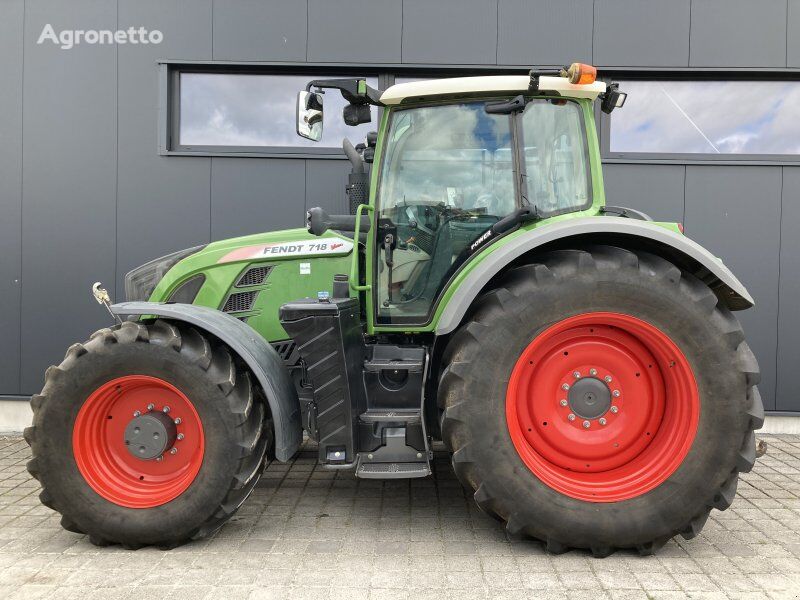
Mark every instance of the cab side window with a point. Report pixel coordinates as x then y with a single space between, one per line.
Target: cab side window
555 156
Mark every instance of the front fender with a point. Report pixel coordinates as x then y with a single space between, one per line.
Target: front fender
620 231
260 357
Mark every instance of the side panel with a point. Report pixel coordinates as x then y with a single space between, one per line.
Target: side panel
650 33
736 211
544 33
354 31
260 30
787 397
163 202
466 287
10 192
69 181
654 189
450 31
262 359
741 33
251 195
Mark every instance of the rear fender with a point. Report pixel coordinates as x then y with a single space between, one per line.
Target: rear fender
578 232
262 359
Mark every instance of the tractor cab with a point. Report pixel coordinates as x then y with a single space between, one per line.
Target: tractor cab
460 162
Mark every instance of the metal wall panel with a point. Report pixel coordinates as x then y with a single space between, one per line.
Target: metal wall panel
651 33
738 33
325 183
793 34
69 182
450 31
655 189
260 30
10 191
252 195
549 32
789 314
163 203
735 213
361 31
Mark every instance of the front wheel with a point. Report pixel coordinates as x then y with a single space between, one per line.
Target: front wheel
601 399
147 434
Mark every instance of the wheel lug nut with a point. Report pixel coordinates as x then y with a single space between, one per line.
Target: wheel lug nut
136 413
177 421
565 386
571 417
165 409
615 393
160 458
586 424
576 374
180 436
607 378
602 420
592 371
614 409
173 451
151 406
563 402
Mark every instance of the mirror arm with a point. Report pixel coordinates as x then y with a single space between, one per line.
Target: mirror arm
349 89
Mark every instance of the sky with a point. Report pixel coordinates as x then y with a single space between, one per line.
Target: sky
257 110
725 117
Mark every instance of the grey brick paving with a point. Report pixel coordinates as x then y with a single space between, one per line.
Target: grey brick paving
313 534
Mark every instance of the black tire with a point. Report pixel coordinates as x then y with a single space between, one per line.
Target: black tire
527 299
234 419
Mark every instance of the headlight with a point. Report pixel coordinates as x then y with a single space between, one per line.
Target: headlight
141 281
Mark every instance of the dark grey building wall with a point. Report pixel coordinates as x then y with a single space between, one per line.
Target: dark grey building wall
85 196
11 52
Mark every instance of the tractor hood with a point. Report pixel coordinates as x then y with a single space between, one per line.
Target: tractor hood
218 262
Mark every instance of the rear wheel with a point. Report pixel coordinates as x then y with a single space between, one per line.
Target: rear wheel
147 434
601 399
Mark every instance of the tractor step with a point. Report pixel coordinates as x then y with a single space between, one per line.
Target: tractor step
391 416
396 458
395 470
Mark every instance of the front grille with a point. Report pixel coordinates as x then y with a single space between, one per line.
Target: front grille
254 276
240 301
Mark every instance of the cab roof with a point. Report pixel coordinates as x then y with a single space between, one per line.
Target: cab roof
486 85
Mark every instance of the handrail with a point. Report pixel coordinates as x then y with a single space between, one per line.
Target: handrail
354 264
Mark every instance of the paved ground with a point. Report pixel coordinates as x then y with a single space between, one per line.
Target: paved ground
312 534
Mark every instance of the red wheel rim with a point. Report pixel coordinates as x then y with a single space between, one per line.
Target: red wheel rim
103 458
555 407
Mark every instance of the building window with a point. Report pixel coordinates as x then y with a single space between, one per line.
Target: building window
253 112
717 119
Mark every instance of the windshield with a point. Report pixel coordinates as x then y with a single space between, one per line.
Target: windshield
446 178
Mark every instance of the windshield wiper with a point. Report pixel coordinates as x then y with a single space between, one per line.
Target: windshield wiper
505 107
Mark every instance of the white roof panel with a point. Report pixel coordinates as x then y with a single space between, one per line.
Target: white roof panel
487 84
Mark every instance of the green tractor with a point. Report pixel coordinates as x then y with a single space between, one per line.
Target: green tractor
580 361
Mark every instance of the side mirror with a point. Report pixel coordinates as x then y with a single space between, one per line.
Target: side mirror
309 115
612 98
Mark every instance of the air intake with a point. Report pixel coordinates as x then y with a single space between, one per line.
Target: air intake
240 302
254 276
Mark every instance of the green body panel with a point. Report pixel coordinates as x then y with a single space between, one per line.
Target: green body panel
286 281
